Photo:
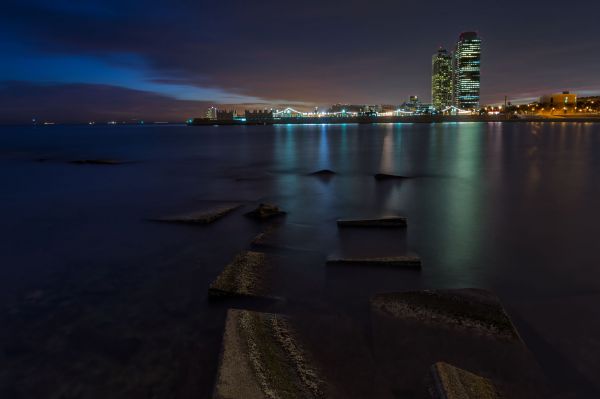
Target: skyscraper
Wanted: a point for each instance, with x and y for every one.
(441, 79)
(211, 113)
(467, 71)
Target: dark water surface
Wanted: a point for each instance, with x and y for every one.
(98, 302)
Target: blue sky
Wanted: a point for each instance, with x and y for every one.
(127, 70)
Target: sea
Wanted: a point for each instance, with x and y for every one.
(98, 301)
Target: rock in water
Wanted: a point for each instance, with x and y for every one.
(261, 357)
(449, 382)
(323, 173)
(201, 217)
(392, 221)
(265, 211)
(246, 275)
(410, 262)
(385, 176)
(464, 308)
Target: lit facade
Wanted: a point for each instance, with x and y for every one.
(211, 113)
(260, 116)
(467, 71)
(223, 115)
(441, 79)
(564, 99)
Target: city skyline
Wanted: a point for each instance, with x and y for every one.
(106, 60)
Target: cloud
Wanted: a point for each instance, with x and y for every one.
(23, 101)
(81, 103)
(124, 70)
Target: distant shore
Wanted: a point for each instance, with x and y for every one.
(392, 119)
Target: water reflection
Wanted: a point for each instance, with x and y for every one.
(459, 201)
(469, 177)
(343, 157)
(324, 155)
(286, 160)
(388, 151)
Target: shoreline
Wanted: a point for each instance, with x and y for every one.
(388, 119)
(337, 121)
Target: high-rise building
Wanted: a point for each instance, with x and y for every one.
(441, 79)
(211, 113)
(467, 71)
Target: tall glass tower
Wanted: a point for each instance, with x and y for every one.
(467, 71)
(441, 79)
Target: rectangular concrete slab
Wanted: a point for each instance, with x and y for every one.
(205, 216)
(475, 309)
(449, 382)
(261, 358)
(246, 275)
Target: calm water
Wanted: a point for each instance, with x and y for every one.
(98, 302)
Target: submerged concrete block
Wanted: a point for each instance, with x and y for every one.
(265, 239)
(282, 236)
(265, 211)
(261, 239)
(408, 261)
(449, 382)
(272, 237)
(391, 221)
(261, 358)
(206, 216)
(464, 308)
(246, 275)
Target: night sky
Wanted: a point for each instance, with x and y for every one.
(167, 60)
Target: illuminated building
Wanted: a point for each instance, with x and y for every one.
(564, 99)
(259, 116)
(411, 105)
(441, 79)
(350, 108)
(388, 107)
(225, 115)
(467, 71)
(211, 113)
(371, 109)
